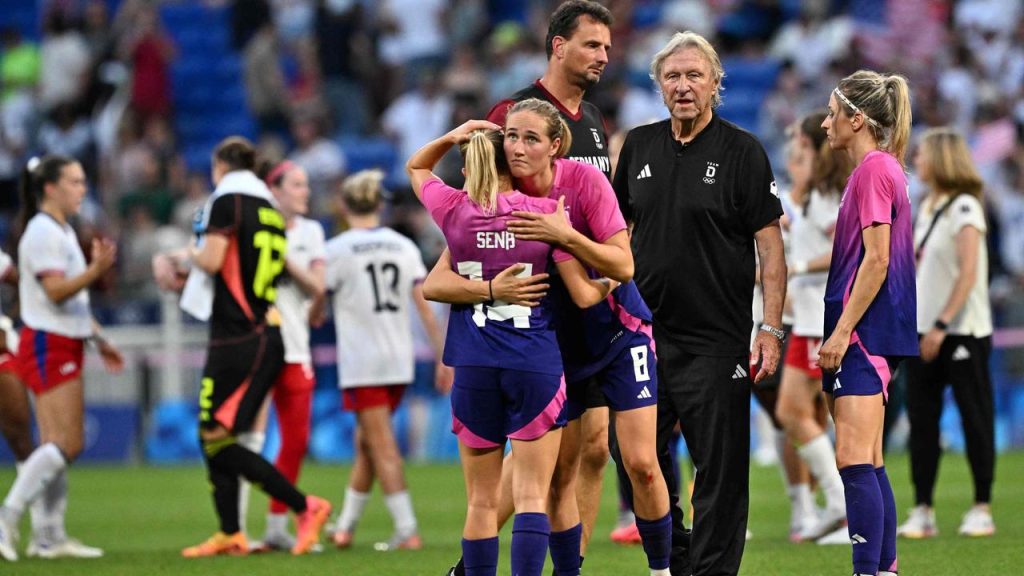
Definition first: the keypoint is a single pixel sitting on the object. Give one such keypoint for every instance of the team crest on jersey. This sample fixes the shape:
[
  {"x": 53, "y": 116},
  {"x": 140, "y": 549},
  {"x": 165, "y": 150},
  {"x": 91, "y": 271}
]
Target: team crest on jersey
[
  {"x": 774, "y": 189},
  {"x": 597, "y": 138},
  {"x": 709, "y": 174}
]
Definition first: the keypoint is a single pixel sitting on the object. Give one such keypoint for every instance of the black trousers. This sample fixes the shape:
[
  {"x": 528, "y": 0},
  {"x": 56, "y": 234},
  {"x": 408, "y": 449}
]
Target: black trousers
[
  {"x": 709, "y": 397},
  {"x": 963, "y": 363}
]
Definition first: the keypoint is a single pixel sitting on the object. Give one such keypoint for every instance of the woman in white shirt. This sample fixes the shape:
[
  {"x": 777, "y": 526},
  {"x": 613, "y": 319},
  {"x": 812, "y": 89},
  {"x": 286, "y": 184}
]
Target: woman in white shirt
[
  {"x": 53, "y": 290},
  {"x": 954, "y": 320}
]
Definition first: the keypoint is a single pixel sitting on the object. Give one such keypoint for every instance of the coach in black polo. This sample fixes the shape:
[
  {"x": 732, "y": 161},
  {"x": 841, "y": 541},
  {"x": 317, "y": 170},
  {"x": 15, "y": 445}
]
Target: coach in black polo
[{"x": 700, "y": 194}]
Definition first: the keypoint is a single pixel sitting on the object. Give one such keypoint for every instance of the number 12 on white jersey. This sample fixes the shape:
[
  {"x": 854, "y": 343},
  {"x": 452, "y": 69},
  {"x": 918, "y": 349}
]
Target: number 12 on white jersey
[{"x": 499, "y": 310}]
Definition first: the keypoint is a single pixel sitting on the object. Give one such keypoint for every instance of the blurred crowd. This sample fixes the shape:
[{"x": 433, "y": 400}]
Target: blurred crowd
[{"x": 322, "y": 78}]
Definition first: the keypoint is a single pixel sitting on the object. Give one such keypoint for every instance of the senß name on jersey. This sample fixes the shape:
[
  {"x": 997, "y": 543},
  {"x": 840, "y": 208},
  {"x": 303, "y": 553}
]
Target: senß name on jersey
[{"x": 503, "y": 239}]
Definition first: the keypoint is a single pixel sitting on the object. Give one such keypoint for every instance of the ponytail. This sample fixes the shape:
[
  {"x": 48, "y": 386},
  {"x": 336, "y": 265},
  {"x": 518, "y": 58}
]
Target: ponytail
[
  {"x": 37, "y": 174},
  {"x": 481, "y": 170},
  {"x": 566, "y": 138},
  {"x": 899, "y": 92}
]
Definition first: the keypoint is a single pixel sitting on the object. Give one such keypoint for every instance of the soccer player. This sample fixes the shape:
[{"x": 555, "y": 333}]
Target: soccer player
[
  {"x": 53, "y": 281},
  {"x": 301, "y": 283},
  {"x": 233, "y": 282},
  {"x": 375, "y": 274},
  {"x": 819, "y": 176},
  {"x": 509, "y": 382},
  {"x": 954, "y": 321},
  {"x": 870, "y": 301},
  {"x": 614, "y": 336},
  {"x": 702, "y": 198}
]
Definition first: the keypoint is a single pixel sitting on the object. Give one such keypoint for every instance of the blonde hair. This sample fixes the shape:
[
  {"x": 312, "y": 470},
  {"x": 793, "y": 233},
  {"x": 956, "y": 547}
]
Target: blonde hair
[
  {"x": 950, "y": 167},
  {"x": 556, "y": 126},
  {"x": 362, "y": 191},
  {"x": 484, "y": 158},
  {"x": 682, "y": 41},
  {"x": 884, "y": 100}
]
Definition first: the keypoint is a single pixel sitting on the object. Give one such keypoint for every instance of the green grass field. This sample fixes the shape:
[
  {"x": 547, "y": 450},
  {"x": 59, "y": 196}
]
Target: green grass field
[{"x": 144, "y": 516}]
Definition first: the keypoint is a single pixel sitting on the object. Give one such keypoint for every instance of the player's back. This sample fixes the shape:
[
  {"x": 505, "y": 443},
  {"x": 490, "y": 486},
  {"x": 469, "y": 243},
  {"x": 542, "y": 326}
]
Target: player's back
[
  {"x": 372, "y": 273},
  {"x": 494, "y": 334}
]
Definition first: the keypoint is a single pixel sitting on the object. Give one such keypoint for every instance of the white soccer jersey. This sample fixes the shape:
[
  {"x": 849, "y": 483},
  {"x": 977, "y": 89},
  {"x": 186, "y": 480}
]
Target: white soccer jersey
[
  {"x": 810, "y": 236},
  {"x": 305, "y": 248},
  {"x": 939, "y": 267},
  {"x": 47, "y": 247},
  {"x": 372, "y": 273}
]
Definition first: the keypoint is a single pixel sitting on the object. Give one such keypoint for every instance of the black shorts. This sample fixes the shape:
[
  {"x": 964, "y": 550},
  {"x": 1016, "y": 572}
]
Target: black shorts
[{"x": 238, "y": 374}]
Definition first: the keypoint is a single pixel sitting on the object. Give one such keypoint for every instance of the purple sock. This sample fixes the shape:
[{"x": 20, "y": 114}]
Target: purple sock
[
  {"x": 565, "y": 550},
  {"x": 656, "y": 536},
  {"x": 480, "y": 557},
  {"x": 530, "y": 531},
  {"x": 888, "y": 557},
  {"x": 865, "y": 516}
]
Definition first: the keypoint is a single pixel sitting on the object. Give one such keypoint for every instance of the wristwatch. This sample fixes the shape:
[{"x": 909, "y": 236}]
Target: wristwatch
[{"x": 777, "y": 332}]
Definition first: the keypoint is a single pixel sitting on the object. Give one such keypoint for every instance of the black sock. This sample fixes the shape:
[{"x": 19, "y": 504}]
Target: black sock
[
  {"x": 227, "y": 457},
  {"x": 225, "y": 498}
]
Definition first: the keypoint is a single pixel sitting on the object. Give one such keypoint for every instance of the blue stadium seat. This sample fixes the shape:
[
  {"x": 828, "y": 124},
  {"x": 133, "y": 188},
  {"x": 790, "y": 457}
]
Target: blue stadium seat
[{"x": 363, "y": 153}]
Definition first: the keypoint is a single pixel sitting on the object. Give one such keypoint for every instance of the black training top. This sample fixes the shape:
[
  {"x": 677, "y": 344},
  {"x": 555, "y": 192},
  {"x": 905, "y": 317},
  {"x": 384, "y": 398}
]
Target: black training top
[
  {"x": 695, "y": 208},
  {"x": 245, "y": 287},
  {"x": 589, "y": 140}
]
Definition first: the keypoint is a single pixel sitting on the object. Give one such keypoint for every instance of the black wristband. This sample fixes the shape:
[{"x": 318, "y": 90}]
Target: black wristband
[
  {"x": 490, "y": 288},
  {"x": 940, "y": 325}
]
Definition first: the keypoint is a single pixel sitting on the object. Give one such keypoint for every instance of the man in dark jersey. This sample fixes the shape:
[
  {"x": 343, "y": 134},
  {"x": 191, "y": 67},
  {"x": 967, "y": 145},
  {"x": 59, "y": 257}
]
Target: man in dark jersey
[
  {"x": 243, "y": 250},
  {"x": 702, "y": 198}
]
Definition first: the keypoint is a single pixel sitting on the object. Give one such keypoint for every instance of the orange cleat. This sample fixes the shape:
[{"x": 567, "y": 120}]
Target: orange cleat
[
  {"x": 626, "y": 535},
  {"x": 309, "y": 523},
  {"x": 220, "y": 544}
]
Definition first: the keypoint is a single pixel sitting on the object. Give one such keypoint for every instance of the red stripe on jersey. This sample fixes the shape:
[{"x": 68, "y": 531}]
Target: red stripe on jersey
[
  {"x": 232, "y": 274},
  {"x": 558, "y": 104}
]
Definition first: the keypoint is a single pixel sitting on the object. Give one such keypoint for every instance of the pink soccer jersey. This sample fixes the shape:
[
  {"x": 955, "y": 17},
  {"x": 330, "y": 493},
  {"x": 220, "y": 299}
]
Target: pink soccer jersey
[
  {"x": 494, "y": 334},
  {"x": 876, "y": 193}
]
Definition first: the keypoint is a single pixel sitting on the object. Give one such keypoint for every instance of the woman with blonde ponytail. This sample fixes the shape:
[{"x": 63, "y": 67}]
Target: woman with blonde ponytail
[
  {"x": 870, "y": 302},
  {"x": 509, "y": 382}
]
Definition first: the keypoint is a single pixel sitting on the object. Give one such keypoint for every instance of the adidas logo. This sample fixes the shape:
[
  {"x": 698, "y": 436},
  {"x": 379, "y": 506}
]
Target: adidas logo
[
  {"x": 645, "y": 173},
  {"x": 837, "y": 385},
  {"x": 739, "y": 373},
  {"x": 961, "y": 353},
  {"x": 858, "y": 539},
  {"x": 645, "y": 393}
]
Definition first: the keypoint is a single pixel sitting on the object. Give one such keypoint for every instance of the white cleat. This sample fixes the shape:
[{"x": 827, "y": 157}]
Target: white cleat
[
  {"x": 977, "y": 522},
  {"x": 920, "y": 524},
  {"x": 829, "y": 521},
  {"x": 836, "y": 537},
  {"x": 69, "y": 548}
]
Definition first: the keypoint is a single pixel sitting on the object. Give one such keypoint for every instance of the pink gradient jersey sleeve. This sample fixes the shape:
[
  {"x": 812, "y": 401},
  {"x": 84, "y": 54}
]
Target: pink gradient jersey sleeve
[
  {"x": 589, "y": 200},
  {"x": 439, "y": 199},
  {"x": 875, "y": 187}
]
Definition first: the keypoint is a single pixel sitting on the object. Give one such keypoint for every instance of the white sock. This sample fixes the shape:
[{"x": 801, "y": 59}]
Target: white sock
[
  {"x": 801, "y": 500},
  {"x": 352, "y": 509},
  {"x": 821, "y": 459},
  {"x": 52, "y": 505},
  {"x": 400, "y": 506},
  {"x": 252, "y": 441},
  {"x": 662, "y": 572},
  {"x": 277, "y": 523},
  {"x": 37, "y": 472}
]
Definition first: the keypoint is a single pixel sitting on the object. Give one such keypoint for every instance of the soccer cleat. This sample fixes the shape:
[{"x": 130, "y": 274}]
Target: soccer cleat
[
  {"x": 397, "y": 542},
  {"x": 342, "y": 539},
  {"x": 920, "y": 524},
  {"x": 626, "y": 535},
  {"x": 68, "y": 548},
  {"x": 309, "y": 523},
  {"x": 977, "y": 522},
  {"x": 829, "y": 521},
  {"x": 273, "y": 542},
  {"x": 220, "y": 544},
  {"x": 8, "y": 541},
  {"x": 836, "y": 537}
]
